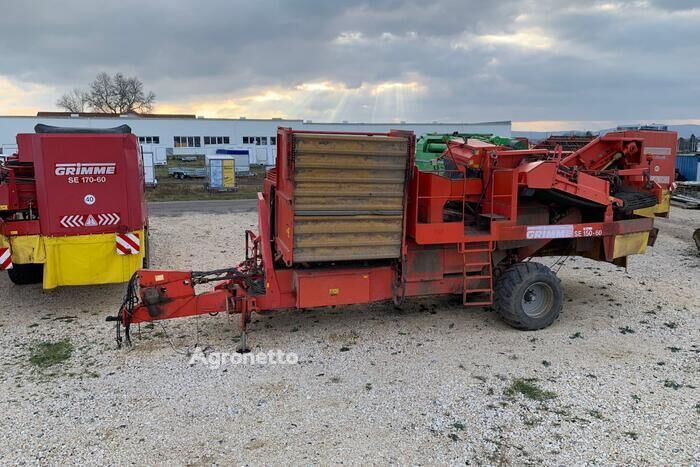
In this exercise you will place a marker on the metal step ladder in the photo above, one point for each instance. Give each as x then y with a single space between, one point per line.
475 286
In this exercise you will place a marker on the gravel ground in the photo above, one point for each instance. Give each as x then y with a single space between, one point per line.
617 375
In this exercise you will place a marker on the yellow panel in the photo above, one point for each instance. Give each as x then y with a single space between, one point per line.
661 209
630 244
88 259
229 173
27 249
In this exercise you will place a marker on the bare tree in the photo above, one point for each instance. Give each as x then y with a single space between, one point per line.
74 101
130 95
101 94
116 94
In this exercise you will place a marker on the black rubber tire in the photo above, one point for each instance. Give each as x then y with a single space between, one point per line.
24 274
510 293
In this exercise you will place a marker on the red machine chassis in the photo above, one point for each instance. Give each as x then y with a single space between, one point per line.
439 256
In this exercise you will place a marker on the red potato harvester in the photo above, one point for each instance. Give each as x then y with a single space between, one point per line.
73 207
346 218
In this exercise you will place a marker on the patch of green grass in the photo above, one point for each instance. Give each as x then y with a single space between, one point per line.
47 354
529 389
170 189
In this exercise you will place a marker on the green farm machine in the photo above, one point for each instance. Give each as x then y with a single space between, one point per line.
429 147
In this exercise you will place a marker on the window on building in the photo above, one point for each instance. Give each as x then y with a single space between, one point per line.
149 139
188 141
216 140
259 140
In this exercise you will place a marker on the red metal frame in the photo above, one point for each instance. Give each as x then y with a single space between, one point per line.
439 256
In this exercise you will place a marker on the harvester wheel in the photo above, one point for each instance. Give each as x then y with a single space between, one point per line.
528 296
23 274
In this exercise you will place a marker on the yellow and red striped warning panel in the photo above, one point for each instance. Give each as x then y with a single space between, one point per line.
128 243
5 259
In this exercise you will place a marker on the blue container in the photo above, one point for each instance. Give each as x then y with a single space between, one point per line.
687 165
233 151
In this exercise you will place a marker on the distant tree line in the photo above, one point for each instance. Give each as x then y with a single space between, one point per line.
116 94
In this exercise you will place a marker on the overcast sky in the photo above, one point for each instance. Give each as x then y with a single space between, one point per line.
544 64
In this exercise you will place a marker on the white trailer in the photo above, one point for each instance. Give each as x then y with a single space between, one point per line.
149 172
160 156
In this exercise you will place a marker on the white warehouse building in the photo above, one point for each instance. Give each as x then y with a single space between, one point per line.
182 135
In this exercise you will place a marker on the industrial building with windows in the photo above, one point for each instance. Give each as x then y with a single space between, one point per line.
184 135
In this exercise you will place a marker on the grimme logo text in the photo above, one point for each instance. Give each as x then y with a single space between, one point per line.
86 168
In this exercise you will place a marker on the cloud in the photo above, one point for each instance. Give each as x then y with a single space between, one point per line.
319 101
458 60
20 98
